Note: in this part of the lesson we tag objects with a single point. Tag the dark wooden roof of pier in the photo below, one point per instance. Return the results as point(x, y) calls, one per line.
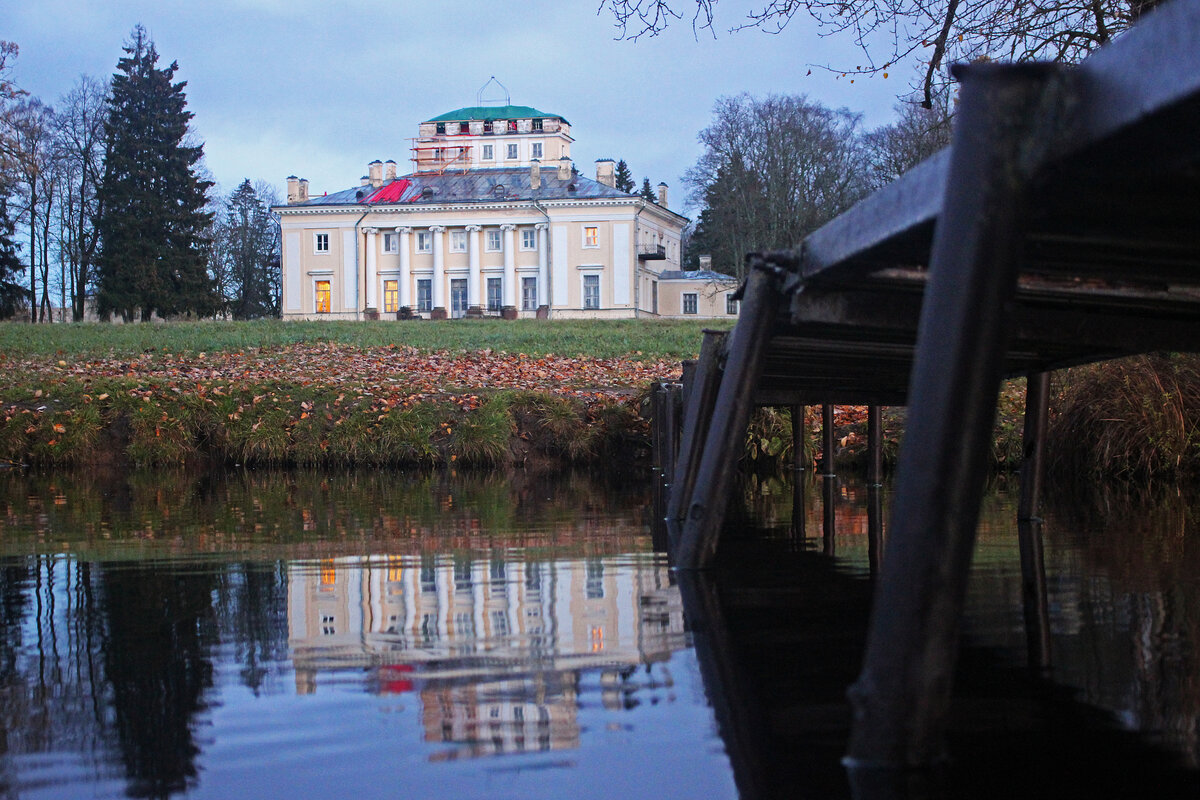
point(1111, 255)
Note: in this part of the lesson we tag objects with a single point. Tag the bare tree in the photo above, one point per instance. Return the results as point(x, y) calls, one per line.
point(29, 150)
point(80, 146)
point(917, 133)
point(931, 31)
point(773, 170)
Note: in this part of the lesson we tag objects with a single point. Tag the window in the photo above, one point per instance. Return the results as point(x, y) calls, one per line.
point(591, 237)
point(321, 242)
point(493, 241)
point(512, 125)
point(323, 297)
point(529, 294)
point(591, 291)
point(391, 296)
point(535, 150)
point(731, 305)
point(424, 242)
point(689, 302)
point(458, 241)
point(441, 127)
point(424, 294)
point(391, 243)
point(489, 152)
point(537, 124)
point(493, 294)
point(528, 239)
point(512, 151)
point(437, 154)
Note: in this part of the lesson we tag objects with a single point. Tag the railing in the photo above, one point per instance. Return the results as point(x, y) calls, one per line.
point(651, 252)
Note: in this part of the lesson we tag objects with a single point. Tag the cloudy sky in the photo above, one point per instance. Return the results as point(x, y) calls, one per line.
point(319, 89)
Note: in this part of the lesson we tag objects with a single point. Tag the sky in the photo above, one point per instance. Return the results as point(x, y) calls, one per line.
point(319, 89)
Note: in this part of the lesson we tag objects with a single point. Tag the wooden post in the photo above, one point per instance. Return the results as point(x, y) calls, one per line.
point(1035, 602)
point(798, 439)
point(901, 698)
point(731, 414)
point(874, 529)
point(798, 507)
point(829, 508)
point(697, 418)
point(670, 431)
point(874, 446)
point(827, 437)
point(1033, 442)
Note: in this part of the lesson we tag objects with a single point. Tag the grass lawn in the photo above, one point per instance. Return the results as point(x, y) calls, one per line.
point(638, 338)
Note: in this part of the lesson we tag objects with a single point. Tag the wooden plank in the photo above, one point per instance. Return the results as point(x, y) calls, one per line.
point(902, 695)
point(731, 415)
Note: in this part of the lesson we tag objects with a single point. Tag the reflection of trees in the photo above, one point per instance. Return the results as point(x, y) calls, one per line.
point(159, 629)
point(1141, 553)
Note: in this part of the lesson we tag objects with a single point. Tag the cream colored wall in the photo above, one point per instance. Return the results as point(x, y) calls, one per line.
point(619, 230)
point(710, 298)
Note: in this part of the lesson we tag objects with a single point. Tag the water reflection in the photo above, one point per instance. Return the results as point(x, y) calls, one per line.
point(500, 618)
point(494, 648)
point(302, 634)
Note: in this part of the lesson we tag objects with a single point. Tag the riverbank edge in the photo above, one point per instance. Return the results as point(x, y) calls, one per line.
point(144, 424)
point(131, 422)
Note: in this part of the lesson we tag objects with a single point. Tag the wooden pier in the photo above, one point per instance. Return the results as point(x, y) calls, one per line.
point(1062, 226)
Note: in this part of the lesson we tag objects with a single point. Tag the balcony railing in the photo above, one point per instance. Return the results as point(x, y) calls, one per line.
point(651, 252)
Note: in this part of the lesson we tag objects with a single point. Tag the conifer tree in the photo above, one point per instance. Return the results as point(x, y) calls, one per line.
point(253, 250)
point(12, 294)
point(648, 191)
point(624, 178)
point(154, 225)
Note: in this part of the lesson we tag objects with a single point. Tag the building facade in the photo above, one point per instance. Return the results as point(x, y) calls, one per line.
point(493, 220)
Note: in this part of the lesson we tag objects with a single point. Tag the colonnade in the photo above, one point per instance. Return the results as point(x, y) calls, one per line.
point(473, 273)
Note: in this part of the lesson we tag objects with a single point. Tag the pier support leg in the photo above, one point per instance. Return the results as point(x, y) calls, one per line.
point(828, 443)
point(697, 417)
point(829, 509)
point(874, 445)
point(731, 414)
point(798, 454)
point(874, 529)
point(902, 696)
point(1029, 525)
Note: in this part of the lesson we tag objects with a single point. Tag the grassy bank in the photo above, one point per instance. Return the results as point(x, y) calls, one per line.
point(639, 338)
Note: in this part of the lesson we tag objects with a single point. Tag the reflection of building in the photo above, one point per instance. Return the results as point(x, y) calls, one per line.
point(494, 648)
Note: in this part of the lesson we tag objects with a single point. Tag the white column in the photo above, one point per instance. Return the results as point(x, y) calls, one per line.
point(474, 276)
point(405, 266)
point(543, 237)
point(439, 268)
point(372, 300)
point(510, 265)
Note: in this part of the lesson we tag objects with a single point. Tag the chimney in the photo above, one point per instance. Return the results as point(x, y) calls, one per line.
point(375, 171)
point(535, 174)
point(364, 180)
point(564, 169)
point(303, 190)
point(389, 170)
point(705, 262)
point(293, 189)
point(606, 172)
point(662, 194)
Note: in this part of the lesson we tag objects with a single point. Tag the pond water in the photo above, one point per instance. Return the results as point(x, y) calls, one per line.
point(391, 634)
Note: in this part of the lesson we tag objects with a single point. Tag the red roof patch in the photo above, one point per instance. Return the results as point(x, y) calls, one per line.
point(391, 193)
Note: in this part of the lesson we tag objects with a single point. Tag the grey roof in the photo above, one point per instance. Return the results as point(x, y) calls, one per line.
point(473, 186)
point(695, 275)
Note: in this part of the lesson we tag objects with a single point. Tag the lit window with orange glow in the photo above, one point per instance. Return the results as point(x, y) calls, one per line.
point(591, 237)
point(323, 297)
point(391, 296)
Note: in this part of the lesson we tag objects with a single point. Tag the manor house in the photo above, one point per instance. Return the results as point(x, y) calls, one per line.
point(493, 219)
